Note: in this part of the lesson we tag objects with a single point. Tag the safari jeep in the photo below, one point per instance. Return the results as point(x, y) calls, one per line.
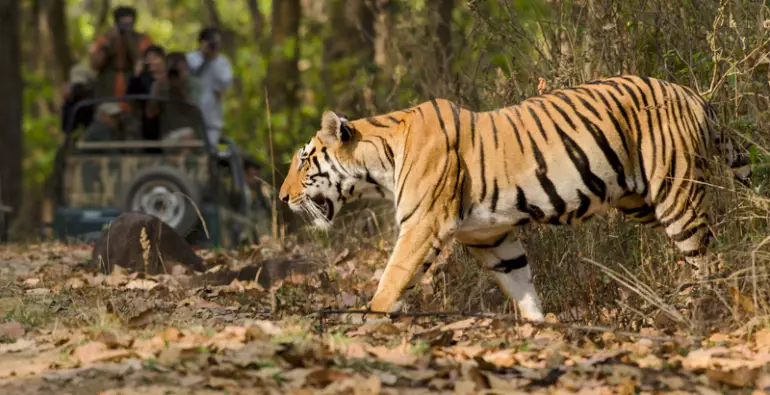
point(121, 160)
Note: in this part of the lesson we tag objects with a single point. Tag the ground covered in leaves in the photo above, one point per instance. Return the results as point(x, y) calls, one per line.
point(65, 329)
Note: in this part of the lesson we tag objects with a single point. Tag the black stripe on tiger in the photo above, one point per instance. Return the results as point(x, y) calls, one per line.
point(402, 183)
point(585, 204)
point(374, 122)
point(580, 160)
point(387, 150)
point(538, 123)
point(437, 188)
point(473, 130)
point(515, 133)
point(443, 179)
point(483, 169)
point(509, 265)
point(495, 196)
point(626, 119)
point(376, 147)
point(522, 205)
point(494, 129)
point(609, 153)
point(457, 185)
point(411, 213)
point(615, 123)
point(493, 244)
point(687, 233)
point(541, 173)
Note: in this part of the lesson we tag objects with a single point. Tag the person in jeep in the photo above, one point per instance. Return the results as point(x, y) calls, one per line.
point(182, 88)
point(114, 54)
point(111, 123)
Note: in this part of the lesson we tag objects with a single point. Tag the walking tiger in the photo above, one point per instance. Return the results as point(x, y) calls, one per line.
point(638, 144)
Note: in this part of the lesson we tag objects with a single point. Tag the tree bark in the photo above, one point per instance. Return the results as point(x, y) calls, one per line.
point(11, 111)
point(57, 17)
point(383, 21)
point(441, 11)
point(347, 49)
point(282, 69)
point(257, 23)
point(353, 33)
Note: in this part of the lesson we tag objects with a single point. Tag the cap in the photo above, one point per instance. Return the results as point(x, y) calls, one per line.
point(81, 74)
point(110, 108)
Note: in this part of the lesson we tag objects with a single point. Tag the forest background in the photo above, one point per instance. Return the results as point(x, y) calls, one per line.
point(364, 57)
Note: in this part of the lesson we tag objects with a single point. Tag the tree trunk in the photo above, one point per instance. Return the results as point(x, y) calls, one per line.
point(57, 17)
point(383, 21)
point(441, 11)
point(349, 47)
point(257, 23)
point(282, 69)
point(11, 111)
point(353, 33)
point(590, 54)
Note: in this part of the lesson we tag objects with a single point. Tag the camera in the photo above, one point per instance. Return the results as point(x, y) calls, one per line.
point(173, 72)
point(212, 44)
point(124, 27)
point(80, 91)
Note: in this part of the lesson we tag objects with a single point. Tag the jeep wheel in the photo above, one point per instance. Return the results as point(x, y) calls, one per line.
point(166, 193)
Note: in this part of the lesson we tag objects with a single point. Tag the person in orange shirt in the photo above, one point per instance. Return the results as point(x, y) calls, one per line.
point(114, 54)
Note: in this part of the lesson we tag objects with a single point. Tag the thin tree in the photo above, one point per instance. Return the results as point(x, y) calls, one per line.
point(57, 18)
point(441, 11)
point(11, 110)
point(350, 42)
point(283, 69)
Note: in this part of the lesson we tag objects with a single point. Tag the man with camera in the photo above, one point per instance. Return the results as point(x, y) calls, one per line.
point(179, 86)
point(114, 54)
point(215, 75)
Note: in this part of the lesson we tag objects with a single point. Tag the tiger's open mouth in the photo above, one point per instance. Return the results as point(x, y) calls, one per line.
point(325, 205)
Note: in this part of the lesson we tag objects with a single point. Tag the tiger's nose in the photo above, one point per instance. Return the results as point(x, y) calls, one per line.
point(285, 198)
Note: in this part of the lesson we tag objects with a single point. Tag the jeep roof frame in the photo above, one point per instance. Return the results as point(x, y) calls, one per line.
point(128, 98)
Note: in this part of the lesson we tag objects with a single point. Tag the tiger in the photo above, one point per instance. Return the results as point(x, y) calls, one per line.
point(637, 144)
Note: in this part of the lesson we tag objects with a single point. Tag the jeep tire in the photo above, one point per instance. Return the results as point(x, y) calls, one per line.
point(165, 192)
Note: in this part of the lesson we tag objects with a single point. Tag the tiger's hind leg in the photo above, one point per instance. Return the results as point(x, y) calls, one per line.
point(507, 260)
point(687, 224)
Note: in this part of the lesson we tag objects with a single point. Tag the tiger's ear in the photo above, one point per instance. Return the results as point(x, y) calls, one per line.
point(334, 129)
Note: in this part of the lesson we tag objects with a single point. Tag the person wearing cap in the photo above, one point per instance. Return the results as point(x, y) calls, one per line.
point(114, 54)
point(106, 124)
point(181, 88)
point(215, 74)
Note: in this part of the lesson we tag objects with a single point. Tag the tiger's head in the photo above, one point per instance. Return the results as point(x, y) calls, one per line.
point(328, 172)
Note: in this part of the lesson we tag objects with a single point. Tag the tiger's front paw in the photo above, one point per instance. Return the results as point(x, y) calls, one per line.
point(364, 318)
